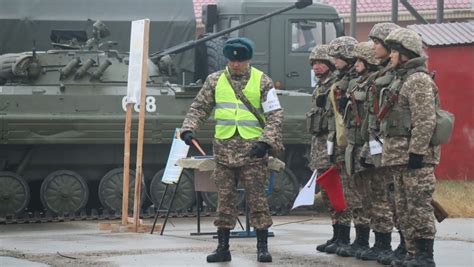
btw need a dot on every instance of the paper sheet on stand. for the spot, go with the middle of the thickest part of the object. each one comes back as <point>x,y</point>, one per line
<point>306,195</point>
<point>179,150</point>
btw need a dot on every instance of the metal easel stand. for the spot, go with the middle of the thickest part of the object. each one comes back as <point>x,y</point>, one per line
<point>169,207</point>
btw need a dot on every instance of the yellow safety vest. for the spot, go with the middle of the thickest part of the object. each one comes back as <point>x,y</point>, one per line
<point>231,114</point>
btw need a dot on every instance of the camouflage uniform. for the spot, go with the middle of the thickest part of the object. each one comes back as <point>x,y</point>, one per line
<point>407,128</point>
<point>354,113</point>
<point>232,155</point>
<point>322,123</point>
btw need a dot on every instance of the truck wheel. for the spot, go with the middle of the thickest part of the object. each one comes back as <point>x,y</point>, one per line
<point>209,57</point>
<point>285,189</point>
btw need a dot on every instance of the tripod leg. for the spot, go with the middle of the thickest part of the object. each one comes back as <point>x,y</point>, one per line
<point>158,210</point>
<point>170,206</point>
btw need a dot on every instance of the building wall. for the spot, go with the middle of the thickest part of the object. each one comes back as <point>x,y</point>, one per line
<point>455,81</point>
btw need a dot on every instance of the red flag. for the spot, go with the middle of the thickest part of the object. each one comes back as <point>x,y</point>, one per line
<point>330,181</point>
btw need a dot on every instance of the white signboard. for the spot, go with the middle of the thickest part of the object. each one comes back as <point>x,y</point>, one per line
<point>179,150</point>
<point>137,65</point>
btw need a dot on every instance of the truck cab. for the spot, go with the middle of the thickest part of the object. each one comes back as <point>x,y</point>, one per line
<point>282,42</point>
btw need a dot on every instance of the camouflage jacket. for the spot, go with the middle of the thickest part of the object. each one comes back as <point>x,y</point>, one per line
<point>371,126</point>
<point>419,94</point>
<point>233,152</point>
<point>319,154</point>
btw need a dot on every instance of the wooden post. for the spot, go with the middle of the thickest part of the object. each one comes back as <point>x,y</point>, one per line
<point>126,163</point>
<point>141,130</point>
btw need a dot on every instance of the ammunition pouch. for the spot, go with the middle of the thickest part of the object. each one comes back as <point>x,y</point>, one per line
<point>397,122</point>
<point>316,122</point>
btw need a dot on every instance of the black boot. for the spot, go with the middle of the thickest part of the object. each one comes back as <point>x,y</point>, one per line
<point>382,246</point>
<point>423,254</point>
<point>402,262</point>
<point>335,230</point>
<point>222,252</point>
<point>397,256</point>
<point>262,246</point>
<point>360,243</point>
<point>343,239</point>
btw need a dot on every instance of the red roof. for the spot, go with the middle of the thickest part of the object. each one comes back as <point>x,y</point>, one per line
<point>198,6</point>
<point>372,6</point>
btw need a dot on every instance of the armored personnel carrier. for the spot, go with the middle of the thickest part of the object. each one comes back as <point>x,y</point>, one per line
<point>62,115</point>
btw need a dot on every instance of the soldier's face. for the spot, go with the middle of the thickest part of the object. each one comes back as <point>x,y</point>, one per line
<point>359,66</point>
<point>238,67</point>
<point>394,58</point>
<point>339,63</point>
<point>320,67</point>
<point>380,51</point>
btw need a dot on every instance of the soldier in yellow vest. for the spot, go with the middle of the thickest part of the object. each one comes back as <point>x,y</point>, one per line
<point>242,141</point>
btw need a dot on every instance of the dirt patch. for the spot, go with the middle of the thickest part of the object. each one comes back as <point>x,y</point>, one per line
<point>456,197</point>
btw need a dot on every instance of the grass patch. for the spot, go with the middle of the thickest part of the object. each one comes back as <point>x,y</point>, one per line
<point>456,196</point>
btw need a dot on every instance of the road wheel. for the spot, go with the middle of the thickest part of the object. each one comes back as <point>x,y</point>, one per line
<point>64,191</point>
<point>185,197</point>
<point>111,190</point>
<point>14,193</point>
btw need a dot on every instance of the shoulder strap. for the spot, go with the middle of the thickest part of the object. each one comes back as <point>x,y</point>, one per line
<point>240,95</point>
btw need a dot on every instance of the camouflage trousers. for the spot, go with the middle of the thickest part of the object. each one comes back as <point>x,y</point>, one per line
<point>252,177</point>
<point>381,195</point>
<point>357,190</point>
<point>414,190</point>
<point>343,217</point>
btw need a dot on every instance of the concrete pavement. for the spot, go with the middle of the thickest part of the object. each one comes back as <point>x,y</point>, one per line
<point>83,244</point>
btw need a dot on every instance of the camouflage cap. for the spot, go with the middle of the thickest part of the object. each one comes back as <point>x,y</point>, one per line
<point>408,39</point>
<point>363,50</point>
<point>321,52</point>
<point>380,31</point>
<point>342,47</point>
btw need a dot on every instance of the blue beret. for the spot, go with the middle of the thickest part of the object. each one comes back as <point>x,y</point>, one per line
<point>239,48</point>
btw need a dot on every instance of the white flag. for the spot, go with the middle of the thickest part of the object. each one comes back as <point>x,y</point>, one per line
<point>306,195</point>
<point>137,62</point>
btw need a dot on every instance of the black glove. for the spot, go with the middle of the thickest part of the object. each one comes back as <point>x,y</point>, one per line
<point>321,101</point>
<point>415,161</point>
<point>187,136</point>
<point>342,104</point>
<point>259,150</point>
<point>364,164</point>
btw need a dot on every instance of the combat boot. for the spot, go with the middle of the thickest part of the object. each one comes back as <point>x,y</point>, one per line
<point>402,262</point>
<point>398,255</point>
<point>343,239</point>
<point>423,254</point>
<point>360,243</point>
<point>382,246</point>
<point>222,253</point>
<point>262,246</point>
<point>335,230</point>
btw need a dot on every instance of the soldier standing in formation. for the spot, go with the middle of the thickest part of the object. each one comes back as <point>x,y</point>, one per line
<point>382,208</point>
<point>354,117</point>
<point>318,120</point>
<point>408,120</point>
<point>341,50</point>
<point>241,143</point>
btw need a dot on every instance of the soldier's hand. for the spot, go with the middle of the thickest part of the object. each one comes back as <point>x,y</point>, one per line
<point>364,164</point>
<point>187,137</point>
<point>415,161</point>
<point>259,150</point>
<point>342,104</point>
<point>321,101</point>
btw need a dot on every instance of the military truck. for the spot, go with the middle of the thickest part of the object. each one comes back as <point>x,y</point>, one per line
<point>62,110</point>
